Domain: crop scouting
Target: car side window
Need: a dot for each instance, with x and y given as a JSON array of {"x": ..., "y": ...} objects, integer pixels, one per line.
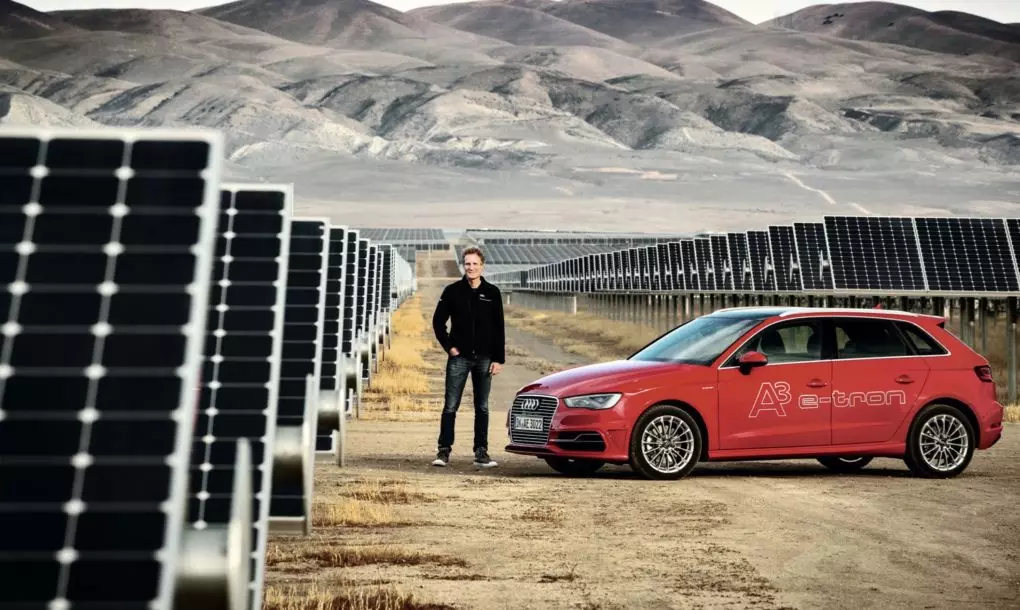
[
  {"x": 867, "y": 338},
  {"x": 799, "y": 341},
  {"x": 921, "y": 341}
]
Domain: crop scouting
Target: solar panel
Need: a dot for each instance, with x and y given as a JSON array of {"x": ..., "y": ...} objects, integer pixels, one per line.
[
  {"x": 703, "y": 258},
  {"x": 784, "y": 259},
  {"x": 665, "y": 278},
  {"x": 363, "y": 347},
  {"x": 641, "y": 277},
  {"x": 690, "y": 261},
  {"x": 676, "y": 262},
  {"x": 740, "y": 264},
  {"x": 301, "y": 365},
  {"x": 618, "y": 270},
  {"x": 721, "y": 262},
  {"x": 966, "y": 254},
  {"x": 813, "y": 255},
  {"x": 106, "y": 245},
  {"x": 351, "y": 363},
  {"x": 371, "y": 298},
  {"x": 241, "y": 364},
  {"x": 874, "y": 253},
  {"x": 762, "y": 271},
  {"x": 331, "y": 391}
]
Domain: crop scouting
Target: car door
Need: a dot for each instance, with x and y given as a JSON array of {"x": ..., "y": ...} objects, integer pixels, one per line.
[
  {"x": 786, "y": 402},
  {"x": 875, "y": 381}
]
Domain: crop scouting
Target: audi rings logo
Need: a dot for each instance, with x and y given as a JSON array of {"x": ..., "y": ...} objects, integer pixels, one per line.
[{"x": 529, "y": 404}]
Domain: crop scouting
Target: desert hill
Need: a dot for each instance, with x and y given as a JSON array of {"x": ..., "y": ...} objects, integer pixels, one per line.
[
  {"x": 548, "y": 115},
  {"x": 944, "y": 32}
]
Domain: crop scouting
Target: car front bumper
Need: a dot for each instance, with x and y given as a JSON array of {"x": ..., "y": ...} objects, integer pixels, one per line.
[{"x": 577, "y": 433}]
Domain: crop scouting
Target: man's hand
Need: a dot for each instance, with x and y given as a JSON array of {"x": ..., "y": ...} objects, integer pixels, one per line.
[
  {"x": 454, "y": 351},
  {"x": 495, "y": 368}
]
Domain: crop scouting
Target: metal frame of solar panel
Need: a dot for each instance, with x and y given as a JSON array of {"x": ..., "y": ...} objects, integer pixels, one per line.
[
  {"x": 874, "y": 253},
  {"x": 106, "y": 246},
  {"x": 706, "y": 266},
  {"x": 241, "y": 371},
  {"x": 300, "y": 369},
  {"x": 973, "y": 255},
  {"x": 332, "y": 394},
  {"x": 740, "y": 265},
  {"x": 813, "y": 256},
  {"x": 665, "y": 277}
]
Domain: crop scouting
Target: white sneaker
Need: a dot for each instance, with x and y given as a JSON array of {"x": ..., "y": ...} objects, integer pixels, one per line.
[{"x": 442, "y": 458}]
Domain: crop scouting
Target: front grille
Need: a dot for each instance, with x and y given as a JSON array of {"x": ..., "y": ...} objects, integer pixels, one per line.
[{"x": 546, "y": 409}]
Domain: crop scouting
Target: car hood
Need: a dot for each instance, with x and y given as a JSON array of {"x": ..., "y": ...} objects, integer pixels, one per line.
[{"x": 616, "y": 376}]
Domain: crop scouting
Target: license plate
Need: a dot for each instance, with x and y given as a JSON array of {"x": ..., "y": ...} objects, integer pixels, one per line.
[{"x": 522, "y": 422}]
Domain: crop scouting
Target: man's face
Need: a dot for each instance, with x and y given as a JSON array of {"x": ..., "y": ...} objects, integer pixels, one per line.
[{"x": 473, "y": 266}]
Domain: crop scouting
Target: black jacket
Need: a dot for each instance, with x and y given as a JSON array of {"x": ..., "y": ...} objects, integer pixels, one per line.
[{"x": 477, "y": 315}]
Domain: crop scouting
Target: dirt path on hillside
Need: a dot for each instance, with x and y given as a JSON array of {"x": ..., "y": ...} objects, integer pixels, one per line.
[{"x": 735, "y": 535}]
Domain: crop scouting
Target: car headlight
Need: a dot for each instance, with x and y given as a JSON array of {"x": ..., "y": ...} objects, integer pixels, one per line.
[{"x": 593, "y": 401}]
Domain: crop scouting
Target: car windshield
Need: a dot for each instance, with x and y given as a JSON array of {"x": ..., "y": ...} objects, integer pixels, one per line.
[{"x": 700, "y": 341}]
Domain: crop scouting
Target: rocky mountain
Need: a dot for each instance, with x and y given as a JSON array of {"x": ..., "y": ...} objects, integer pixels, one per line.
[
  {"x": 587, "y": 114},
  {"x": 944, "y": 31}
]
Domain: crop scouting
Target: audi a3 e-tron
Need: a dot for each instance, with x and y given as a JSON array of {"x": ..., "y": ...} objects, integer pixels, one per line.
[{"x": 842, "y": 386}]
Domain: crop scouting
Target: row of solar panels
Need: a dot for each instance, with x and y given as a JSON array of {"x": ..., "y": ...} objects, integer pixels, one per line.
[
  {"x": 491, "y": 237},
  {"x": 397, "y": 235},
  {"x": 497, "y": 254},
  {"x": 163, "y": 332},
  {"x": 842, "y": 253}
]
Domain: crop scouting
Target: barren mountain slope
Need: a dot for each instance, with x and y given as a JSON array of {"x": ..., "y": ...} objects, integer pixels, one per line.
[
  {"x": 519, "y": 25},
  {"x": 355, "y": 24},
  {"x": 644, "y": 22},
  {"x": 20, "y": 21},
  {"x": 905, "y": 25}
]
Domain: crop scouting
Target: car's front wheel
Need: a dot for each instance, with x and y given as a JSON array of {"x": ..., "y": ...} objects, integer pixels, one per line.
[
  {"x": 940, "y": 442},
  {"x": 665, "y": 444},
  {"x": 842, "y": 463},
  {"x": 574, "y": 467}
]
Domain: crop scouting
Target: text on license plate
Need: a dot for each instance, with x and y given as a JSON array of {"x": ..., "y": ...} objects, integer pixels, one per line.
[{"x": 523, "y": 422}]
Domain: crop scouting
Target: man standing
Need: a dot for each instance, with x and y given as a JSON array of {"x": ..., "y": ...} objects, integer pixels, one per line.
[{"x": 476, "y": 345}]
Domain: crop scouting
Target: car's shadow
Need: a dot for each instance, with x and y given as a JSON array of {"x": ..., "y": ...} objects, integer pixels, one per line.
[{"x": 537, "y": 469}]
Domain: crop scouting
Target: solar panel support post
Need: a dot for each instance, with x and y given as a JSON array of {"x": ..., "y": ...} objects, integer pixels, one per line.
[
  {"x": 215, "y": 561},
  {"x": 294, "y": 464},
  {"x": 1010, "y": 334},
  {"x": 983, "y": 308}
]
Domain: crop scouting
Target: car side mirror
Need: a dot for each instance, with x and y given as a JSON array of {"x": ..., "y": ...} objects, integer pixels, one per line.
[{"x": 752, "y": 360}]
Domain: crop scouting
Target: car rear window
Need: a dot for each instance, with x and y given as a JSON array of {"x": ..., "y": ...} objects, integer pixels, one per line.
[{"x": 920, "y": 340}]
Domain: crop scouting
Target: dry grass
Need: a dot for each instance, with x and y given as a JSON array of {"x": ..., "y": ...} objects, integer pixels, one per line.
[
  {"x": 344, "y": 598},
  {"x": 1012, "y": 414},
  {"x": 396, "y": 392},
  {"x": 349, "y": 557},
  {"x": 382, "y": 491},
  {"x": 349, "y": 512},
  {"x": 594, "y": 337},
  {"x": 540, "y": 515}
]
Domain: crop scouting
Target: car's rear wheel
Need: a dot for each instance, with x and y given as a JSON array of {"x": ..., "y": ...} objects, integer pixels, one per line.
[
  {"x": 940, "y": 442},
  {"x": 665, "y": 443},
  {"x": 844, "y": 463},
  {"x": 574, "y": 467}
]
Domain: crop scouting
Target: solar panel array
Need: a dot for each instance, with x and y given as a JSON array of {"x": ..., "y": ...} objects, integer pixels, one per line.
[
  {"x": 840, "y": 254},
  {"x": 158, "y": 329}
]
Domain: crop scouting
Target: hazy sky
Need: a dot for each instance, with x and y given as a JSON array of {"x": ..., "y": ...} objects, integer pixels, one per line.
[{"x": 756, "y": 11}]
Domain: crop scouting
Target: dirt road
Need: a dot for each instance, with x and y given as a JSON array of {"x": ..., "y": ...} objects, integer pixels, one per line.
[{"x": 735, "y": 535}]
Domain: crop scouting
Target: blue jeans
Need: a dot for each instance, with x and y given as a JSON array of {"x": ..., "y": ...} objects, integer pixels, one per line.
[{"x": 457, "y": 370}]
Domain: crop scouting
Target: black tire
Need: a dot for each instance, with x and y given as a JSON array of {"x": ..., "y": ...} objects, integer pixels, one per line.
[
  {"x": 845, "y": 463},
  {"x": 937, "y": 415},
  {"x": 574, "y": 467},
  {"x": 689, "y": 427}
]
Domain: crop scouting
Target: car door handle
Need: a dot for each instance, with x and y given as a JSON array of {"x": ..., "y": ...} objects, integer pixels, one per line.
[
  {"x": 904, "y": 379},
  {"x": 816, "y": 383}
]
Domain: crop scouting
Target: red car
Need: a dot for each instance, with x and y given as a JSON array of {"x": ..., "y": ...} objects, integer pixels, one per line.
[{"x": 840, "y": 385}]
